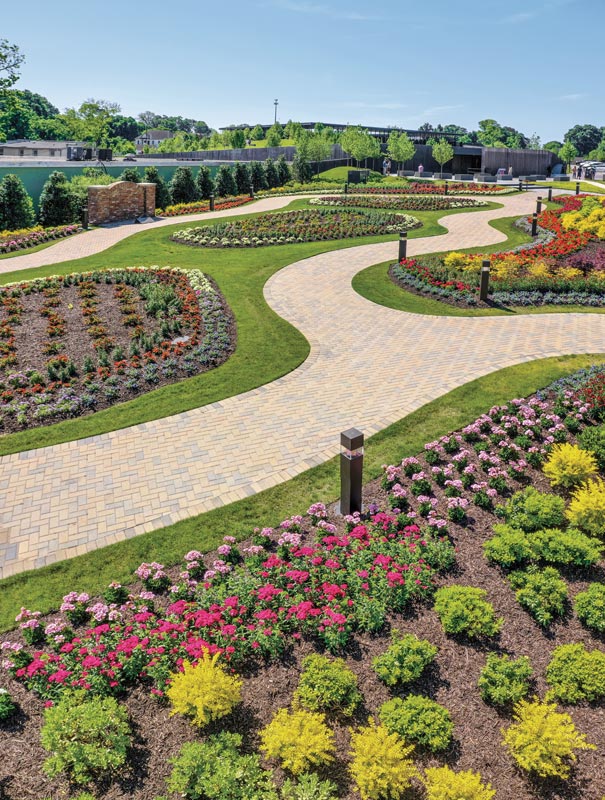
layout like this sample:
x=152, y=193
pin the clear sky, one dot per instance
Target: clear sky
x=537, y=65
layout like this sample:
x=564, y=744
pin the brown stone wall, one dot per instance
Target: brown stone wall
x=120, y=201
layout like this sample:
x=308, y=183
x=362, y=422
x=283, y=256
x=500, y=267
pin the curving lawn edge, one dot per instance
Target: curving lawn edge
x=42, y=589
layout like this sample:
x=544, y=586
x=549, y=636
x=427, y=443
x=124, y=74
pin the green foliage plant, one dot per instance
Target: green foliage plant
x=16, y=207
x=541, y=592
x=418, y=720
x=328, y=685
x=57, y=206
x=543, y=741
x=241, y=176
x=7, y=705
x=592, y=438
x=130, y=174
x=532, y=510
x=308, y=786
x=224, y=184
x=405, y=659
x=381, y=765
x=587, y=508
x=442, y=783
x=569, y=466
x=510, y=547
x=442, y=152
x=162, y=195
x=86, y=735
x=204, y=183
x=464, y=611
x=575, y=674
x=205, y=691
x=300, y=739
x=505, y=681
x=283, y=171
x=182, y=186
x=590, y=607
x=257, y=176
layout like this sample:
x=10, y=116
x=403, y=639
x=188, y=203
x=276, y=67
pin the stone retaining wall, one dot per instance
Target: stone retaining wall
x=120, y=201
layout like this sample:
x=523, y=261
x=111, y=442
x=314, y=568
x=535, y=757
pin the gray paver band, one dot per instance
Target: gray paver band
x=368, y=367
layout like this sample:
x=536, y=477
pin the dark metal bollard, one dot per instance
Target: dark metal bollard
x=211, y=202
x=351, y=471
x=445, y=187
x=252, y=191
x=578, y=187
x=520, y=185
x=538, y=205
x=484, y=286
x=85, y=218
x=346, y=188
x=403, y=245
x=550, y=195
x=534, y=224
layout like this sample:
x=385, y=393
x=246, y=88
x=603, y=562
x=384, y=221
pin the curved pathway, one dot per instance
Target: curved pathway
x=368, y=367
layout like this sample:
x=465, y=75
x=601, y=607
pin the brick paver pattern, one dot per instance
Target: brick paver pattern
x=368, y=367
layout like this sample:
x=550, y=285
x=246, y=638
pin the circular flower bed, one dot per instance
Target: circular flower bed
x=291, y=227
x=77, y=343
x=421, y=203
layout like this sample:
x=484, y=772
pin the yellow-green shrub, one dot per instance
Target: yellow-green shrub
x=587, y=508
x=442, y=783
x=381, y=766
x=204, y=691
x=542, y=740
x=299, y=739
x=568, y=465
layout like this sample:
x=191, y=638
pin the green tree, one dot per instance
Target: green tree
x=271, y=175
x=553, y=146
x=242, y=178
x=275, y=135
x=257, y=175
x=533, y=142
x=567, y=153
x=283, y=171
x=257, y=133
x=96, y=116
x=225, y=182
x=301, y=169
x=491, y=133
x=16, y=207
x=10, y=61
x=57, y=205
x=238, y=139
x=318, y=148
x=182, y=186
x=584, y=138
x=400, y=147
x=204, y=183
x=16, y=118
x=162, y=195
x=443, y=152
x=348, y=138
x=131, y=174
x=49, y=128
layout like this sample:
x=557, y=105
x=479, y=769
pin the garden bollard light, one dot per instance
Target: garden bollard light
x=85, y=218
x=550, y=195
x=252, y=191
x=520, y=185
x=346, y=188
x=538, y=205
x=351, y=471
x=577, y=187
x=484, y=286
x=534, y=224
x=403, y=245
x=211, y=202
x=445, y=187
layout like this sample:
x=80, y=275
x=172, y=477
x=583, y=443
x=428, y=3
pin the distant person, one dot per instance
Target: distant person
x=420, y=170
x=388, y=168
x=574, y=171
x=548, y=171
x=384, y=167
x=510, y=170
x=580, y=172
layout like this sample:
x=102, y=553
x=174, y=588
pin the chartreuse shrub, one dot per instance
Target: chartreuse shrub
x=568, y=465
x=587, y=508
x=442, y=783
x=381, y=765
x=510, y=547
x=405, y=659
x=7, y=705
x=592, y=438
x=464, y=611
x=542, y=741
x=419, y=720
x=86, y=735
x=541, y=592
x=308, y=787
x=590, y=607
x=503, y=680
x=216, y=770
x=299, y=739
x=204, y=691
x=328, y=685
x=575, y=674
x=532, y=510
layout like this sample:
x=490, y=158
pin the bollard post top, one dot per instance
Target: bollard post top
x=485, y=265
x=403, y=234
x=351, y=439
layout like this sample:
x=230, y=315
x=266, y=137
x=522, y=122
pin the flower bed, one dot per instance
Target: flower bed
x=11, y=241
x=291, y=227
x=566, y=265
x=318, y=583
x=419, y=203
x=74, y=344
x=201, y=206
x=390, y=187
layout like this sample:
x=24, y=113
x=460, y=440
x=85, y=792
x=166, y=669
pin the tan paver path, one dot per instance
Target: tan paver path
x=368, y=367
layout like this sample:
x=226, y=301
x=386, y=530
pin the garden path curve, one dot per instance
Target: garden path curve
x=368, y=367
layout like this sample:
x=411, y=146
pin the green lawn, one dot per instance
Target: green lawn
x=571, y=186
x=341, y=174
x=43, y=589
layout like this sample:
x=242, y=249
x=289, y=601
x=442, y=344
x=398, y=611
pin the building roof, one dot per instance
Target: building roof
x=39, y=143
x=156, y=133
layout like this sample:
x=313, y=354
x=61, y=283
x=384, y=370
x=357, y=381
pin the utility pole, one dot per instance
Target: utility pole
x=275, y=102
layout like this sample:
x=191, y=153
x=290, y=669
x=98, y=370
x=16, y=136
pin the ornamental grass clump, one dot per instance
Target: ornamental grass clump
x=569, y=466
x=328, y=685
x=463, y=610
x=504, y=681
x=590, y=607
x=405, y=660
x=543, y=741
x=381, y=765
x=587, y=508
x=575, y=674
x=442, y=783
x=300, y=739
x=205, y=691
x=418, y=720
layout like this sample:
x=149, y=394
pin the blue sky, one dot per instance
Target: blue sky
x=537, y=65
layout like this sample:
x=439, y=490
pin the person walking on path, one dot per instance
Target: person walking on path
x=574, y=171
x=420, y=170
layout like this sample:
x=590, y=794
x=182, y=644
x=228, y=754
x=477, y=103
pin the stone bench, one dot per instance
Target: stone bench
x=463, y=177
x=423, y=174
x=485, y=179
x=443, y=176
x=406, y=173
x=505, y=177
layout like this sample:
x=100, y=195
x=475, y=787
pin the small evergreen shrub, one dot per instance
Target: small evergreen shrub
x=308, y=787
x=463, y=610
x=86, y=735
x=216, y=770
x=182, y=186
x=130, y=174
x=300, y=740
x=568, y=547
x=543, y=741
x=7, y=705
x=541, y=592
x=381, y=765
x=509, y=547
x=590, y=607
x=532, y=510
x=162, y=195
x=587, y=508
x=405, y=660
x=328, y=685
x=442, y=783
x=224, y=184
x=419, y=720
x=504, y=681
x=568, y=465
x=592, y=438
x=575, y=674
x=16, y=207
x=57, y=202
x=204, y=691
x=204, y=183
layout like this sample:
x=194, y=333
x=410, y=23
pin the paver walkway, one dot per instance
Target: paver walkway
x=368, y=367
